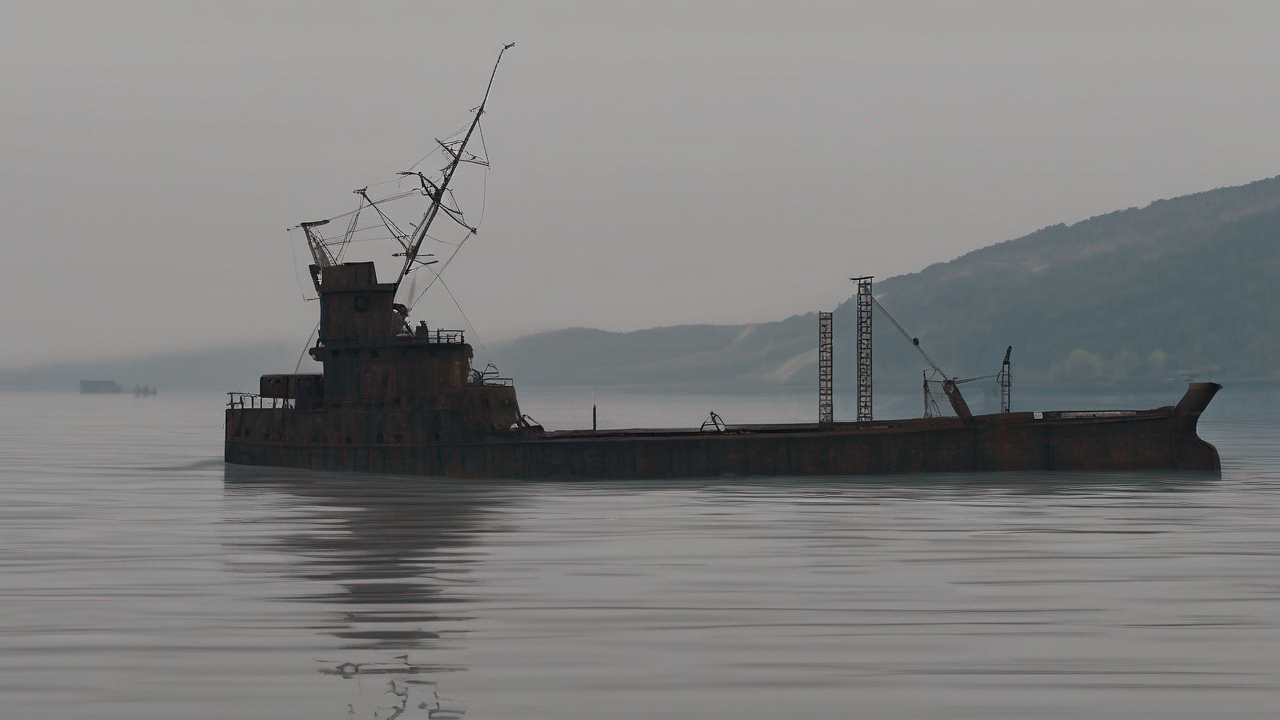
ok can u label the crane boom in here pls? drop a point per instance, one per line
(913, 340)
(949, 386)
(319, 251)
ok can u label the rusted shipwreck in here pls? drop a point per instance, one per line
(399, 399)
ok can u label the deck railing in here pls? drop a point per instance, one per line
(254, 401)
(444, 337)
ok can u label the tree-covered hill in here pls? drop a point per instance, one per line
(1181, 287)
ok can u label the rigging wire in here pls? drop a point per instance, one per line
(387, 199)
(436, 149)
(484, 203)
(294, 252)
(483, 148)
(330, 242)
(304, 349)
(475, 333)
(484, 193)
(441, 271)
(435, 239)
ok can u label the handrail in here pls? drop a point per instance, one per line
(433, 337)
(254, 401)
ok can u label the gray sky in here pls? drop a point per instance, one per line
(651, 166)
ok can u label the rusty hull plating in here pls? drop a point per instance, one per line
(402, 401)
(443, 436)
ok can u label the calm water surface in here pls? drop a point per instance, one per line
(141, 577)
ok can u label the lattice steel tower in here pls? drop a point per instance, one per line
(826, 408)
(1005, 379)
(864, 347)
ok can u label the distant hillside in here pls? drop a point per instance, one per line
(1181, 287)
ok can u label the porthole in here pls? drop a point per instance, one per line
(362, 303)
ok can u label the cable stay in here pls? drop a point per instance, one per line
(355, 219)
(399, 235)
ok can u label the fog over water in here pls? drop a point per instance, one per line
(650, 166)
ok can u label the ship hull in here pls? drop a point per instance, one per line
(1160, 439)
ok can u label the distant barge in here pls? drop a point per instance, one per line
(403, 400)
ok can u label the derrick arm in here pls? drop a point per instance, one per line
(319, 252)
(949, 386)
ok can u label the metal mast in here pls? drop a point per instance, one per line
(864, 347)
(826, 408)
(437, 192)
(1006, 381)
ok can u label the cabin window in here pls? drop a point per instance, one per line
(362, 303)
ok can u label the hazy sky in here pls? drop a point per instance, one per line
(651, 165)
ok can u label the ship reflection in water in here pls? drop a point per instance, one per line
(670, 582)
(374, 564)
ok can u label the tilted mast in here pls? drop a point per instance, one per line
(437, 192)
